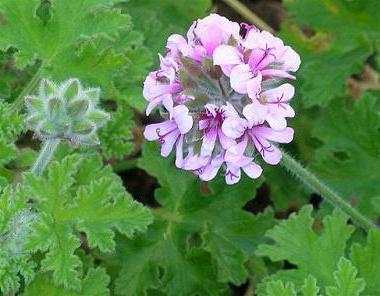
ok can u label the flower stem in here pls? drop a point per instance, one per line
(18, 102)
(312, 181)
(245, 12)
(45, 156)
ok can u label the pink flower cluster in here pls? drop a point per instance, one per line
(223, 95)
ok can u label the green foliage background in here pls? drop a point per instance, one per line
(77, 231)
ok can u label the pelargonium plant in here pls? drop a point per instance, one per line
(224, 94)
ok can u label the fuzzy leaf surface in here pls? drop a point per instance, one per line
(16, 221)
(346, 34)
(94, 284)
(349, 158)
(312, 253)
(91, 200)
(157, 22)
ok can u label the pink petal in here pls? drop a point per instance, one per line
(235, 153)
(221, 23)
(194, 162)
(240, 76)
(229, 110)
(210, 171)
(153, 89)
(179, 152)
(227, 69)
(283, 136)
(275, 121)
(227, 55)
(225, 141)
(253, 170)
(254, 86)
(290, 59)
(234, 127)
(174, 41)
(152, 131)
(169, 141)
(151, 105)
(208, 142)
(270, 153)
(276, 73)
(196, 53)
(233, 174)
(285, 110)
(182, 118)
(284, 92)
(259, 58)
(167, 101)
(251, 39)
(255, 113)
(211, 38)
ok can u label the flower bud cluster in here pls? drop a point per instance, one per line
(66, 111)
(225, 100)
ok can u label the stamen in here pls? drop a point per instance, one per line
(161, 138)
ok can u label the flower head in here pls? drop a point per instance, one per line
(224, 94)
(66, 111)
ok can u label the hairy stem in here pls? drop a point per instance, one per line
(312, 181)
(18, 102)
(245, 12)
(45, 156)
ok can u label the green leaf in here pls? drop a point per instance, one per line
(157, 22)
(349, 159)
(198, 242)
(15, 223)
(9, 79)
(7, 152)
(116, 137)
(367, 260)
(70, 201)
(56, 39)
(93, 66)
(310, 287)
(338, 16)
(276, 288)
(84, 39)
(312, 253)
(346, 35)
(94, 284)
(130, 86)
(346, 282)
(11, 123)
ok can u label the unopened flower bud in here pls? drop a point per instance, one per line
(66, 111)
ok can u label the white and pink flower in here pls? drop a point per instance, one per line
(260, 56)
(224, 97)
(171, 132)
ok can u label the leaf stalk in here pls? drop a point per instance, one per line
(46, 154)
(318, 186)
(248, 14)
(18, 102)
